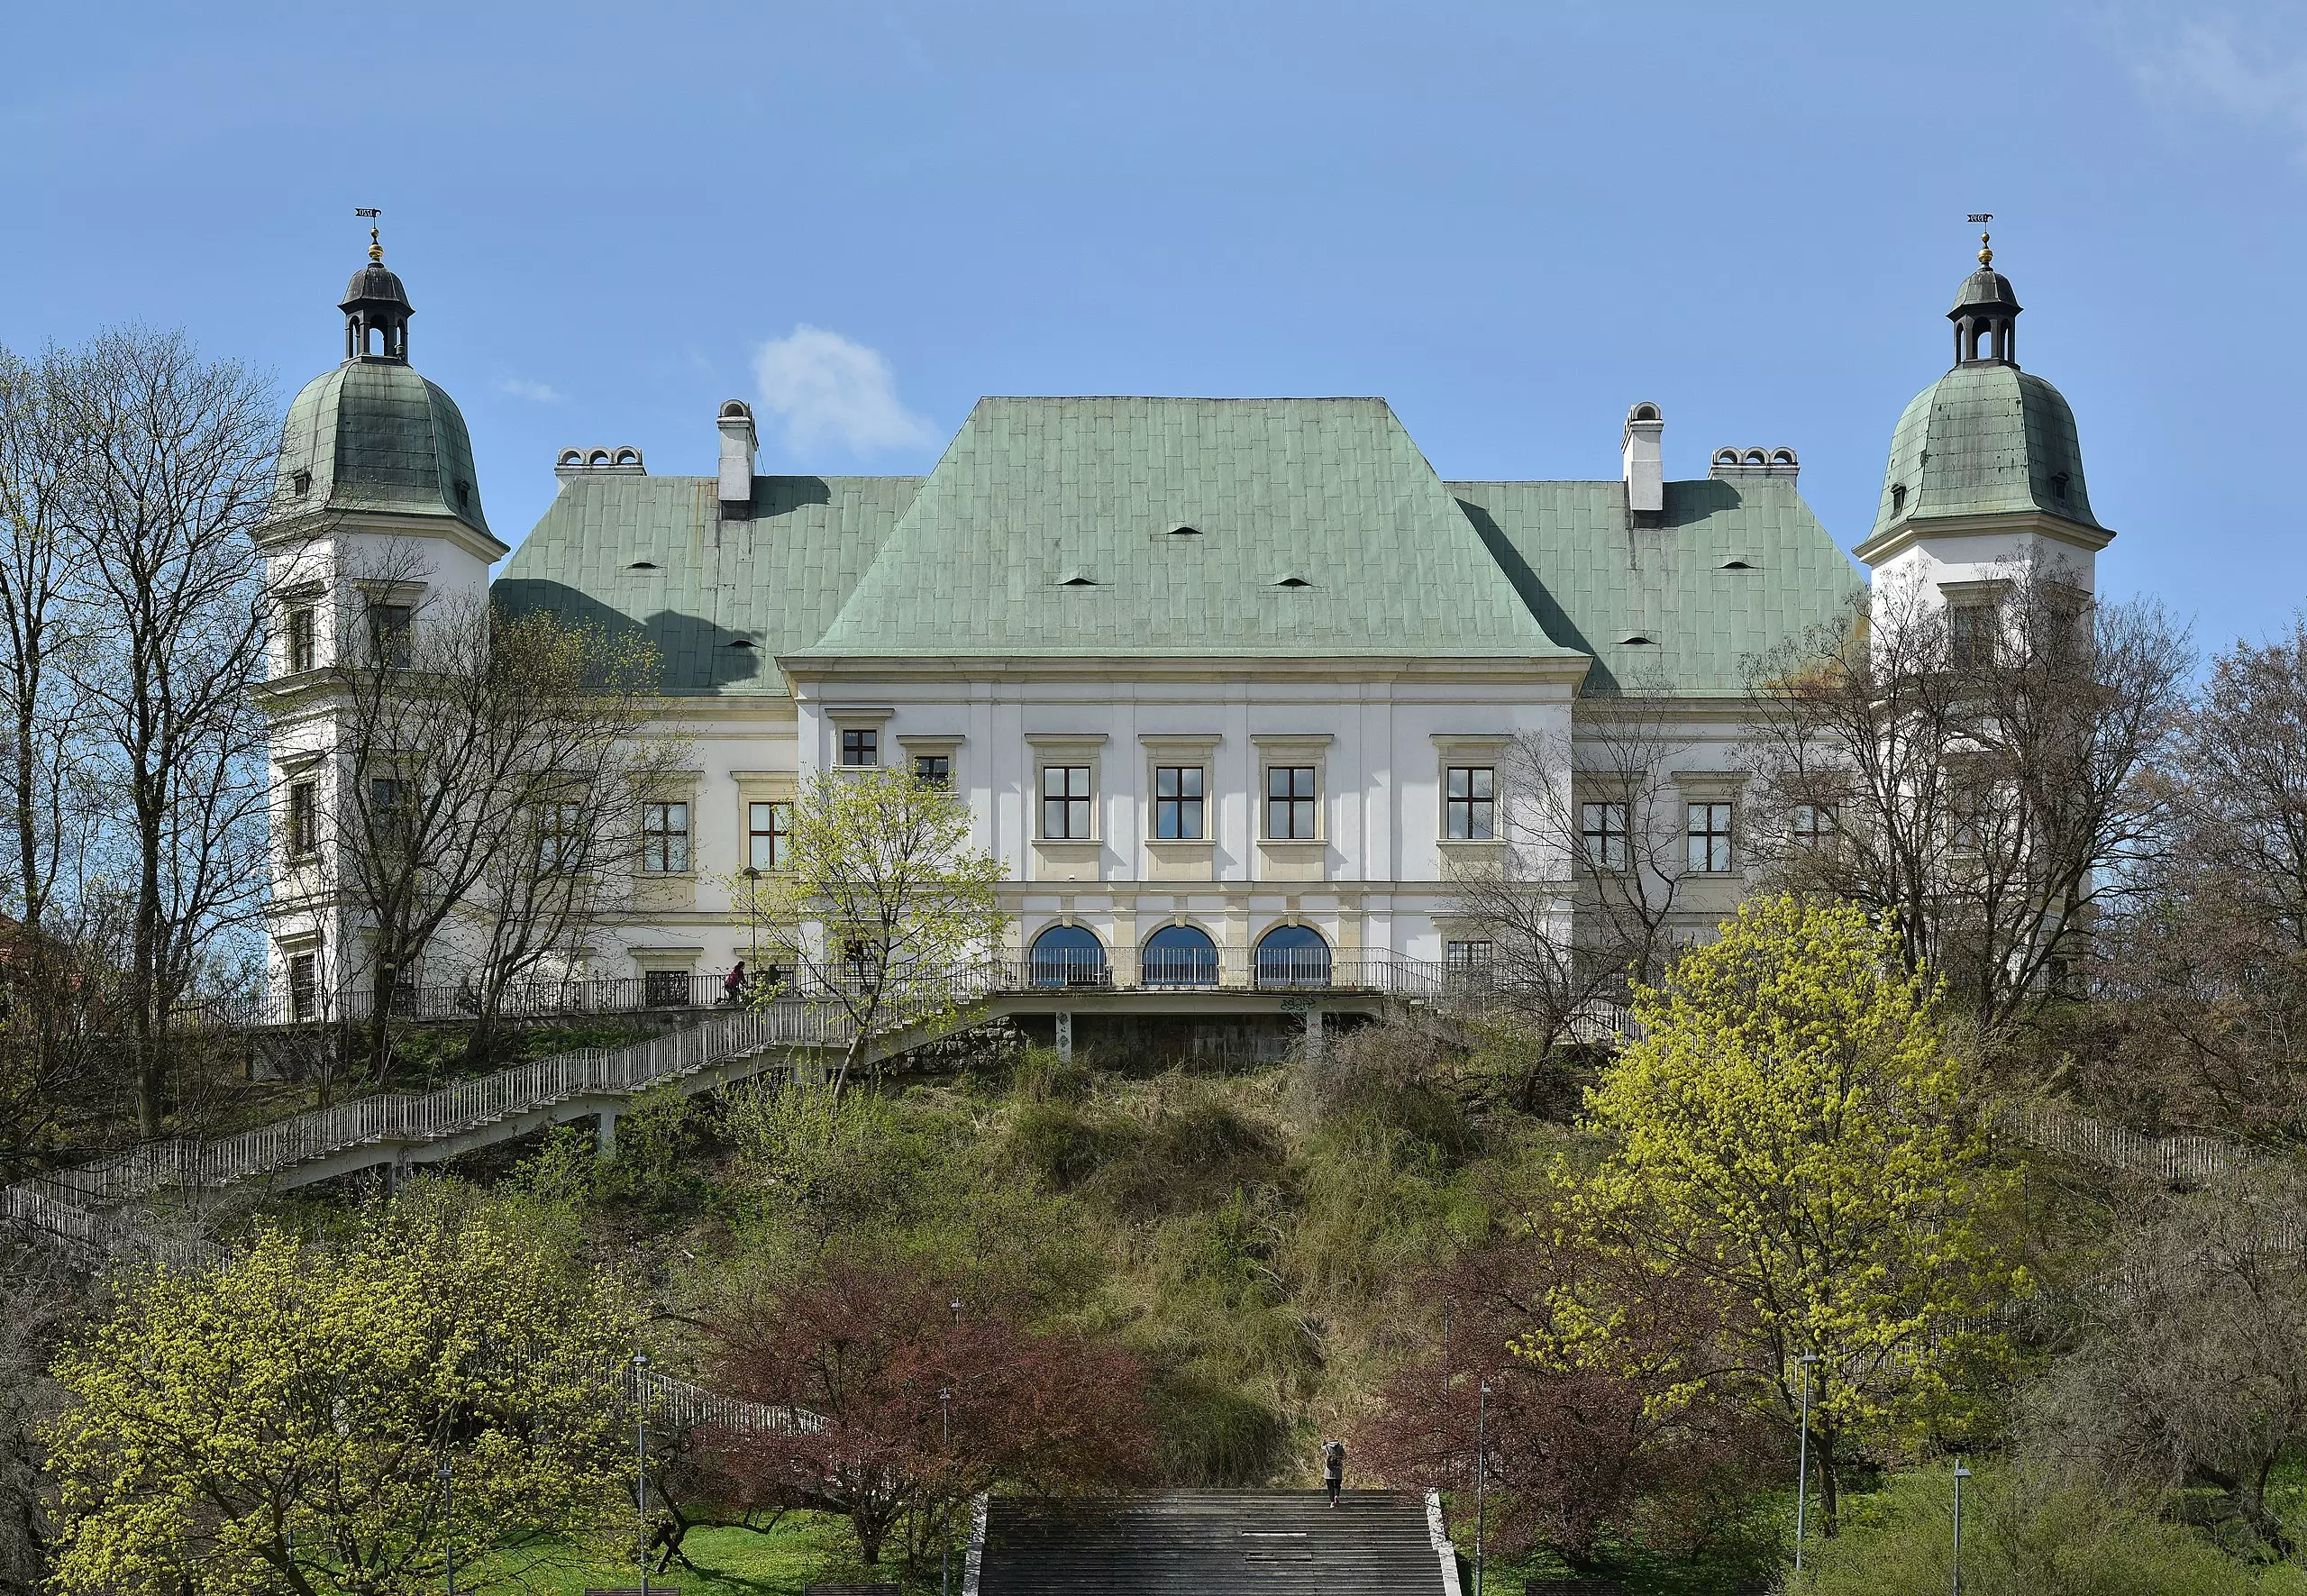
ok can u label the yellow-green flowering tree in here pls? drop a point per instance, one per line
(882, 905)
(279, 1420)
(1793, 1132)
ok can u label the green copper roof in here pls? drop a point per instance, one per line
(1733, 569)
(1317, 529)
(374, 435)
(1985, 439)
(628, 552)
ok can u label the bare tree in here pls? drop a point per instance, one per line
(2187, 1360)
(2205, 966)
(46, 777)
(37, 1302)
(168, 470)
(1982, 784)
(1581, 900)
(489, 769)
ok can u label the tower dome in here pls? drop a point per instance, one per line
(372, 435)
(1986, 439)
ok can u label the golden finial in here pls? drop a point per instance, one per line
(1986, 252)
(375, 249)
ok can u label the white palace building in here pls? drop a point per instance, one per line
(1214, 676)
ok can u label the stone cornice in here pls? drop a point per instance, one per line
(1568, 668)
(1915, 529)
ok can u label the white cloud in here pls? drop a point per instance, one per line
(2216, 65)
(829, 391)
(543, 393)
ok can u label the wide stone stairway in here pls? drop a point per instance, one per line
(1213, 1542)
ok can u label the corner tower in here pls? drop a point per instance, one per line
(374, 532)
(1985, 473)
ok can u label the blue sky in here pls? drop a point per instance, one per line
(1513, 221)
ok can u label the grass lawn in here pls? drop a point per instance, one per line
(806, 1548)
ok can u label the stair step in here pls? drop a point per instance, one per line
(1209, 1543)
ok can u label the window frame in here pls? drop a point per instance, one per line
(942, 778)
(1170, 808)
(1308, 804)
(778, 835)
(1462, 811)
(302, 973)
(1590, 833)
(559, 826)
(303, 840)
(1812, 826)
(1707, 835)
(303, 642)
(658, 840)
(862, 739)
(392, 642)
(1073, 804)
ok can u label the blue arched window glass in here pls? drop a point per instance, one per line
(1179, 956)
(1293, 957)
(1068, 956)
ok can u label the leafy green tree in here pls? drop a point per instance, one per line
(885, 905)
(280, 1420)
(1793, 1131)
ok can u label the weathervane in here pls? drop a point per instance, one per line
(377, 249)
(1986, 254)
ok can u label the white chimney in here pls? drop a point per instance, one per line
(1646, 472)
(737, 446)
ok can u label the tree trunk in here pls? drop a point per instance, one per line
(1829, 1500)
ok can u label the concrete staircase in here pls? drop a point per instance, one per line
(1213, 1542)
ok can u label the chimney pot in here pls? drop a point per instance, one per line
(1646, 472)
(738, 446)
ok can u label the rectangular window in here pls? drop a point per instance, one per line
(304, 819)
(1289, 803)
(300, 639)
(387, 795)
(1065, 803)
(665, 989)
(1970, 635)
(1177, 803)
(1471, 807)
(664, 839)
(1459, 957)
(392, 635)
(304, 986)
(561, 835)
(860, 746)
(934, 769)
(1812, 824)
(1709, 838)
(1603, 828)
(768, 835)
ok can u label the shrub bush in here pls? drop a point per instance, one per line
(2022, 1536)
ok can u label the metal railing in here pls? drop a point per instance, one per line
(404, 1117)
(1231, 969)
(784, 1014)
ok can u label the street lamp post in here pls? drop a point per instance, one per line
(448, 1526)
(640, 1468)
(1961, 1474)
(1482, 1476)
(946, 1521)
(1802, 1458)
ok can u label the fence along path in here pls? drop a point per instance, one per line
(400, 1118)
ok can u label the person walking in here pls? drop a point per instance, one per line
(733, 985)
(1333, 1468)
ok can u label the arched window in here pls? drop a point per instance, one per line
(1293, 957)
(1068, 956)
(1179, 956)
